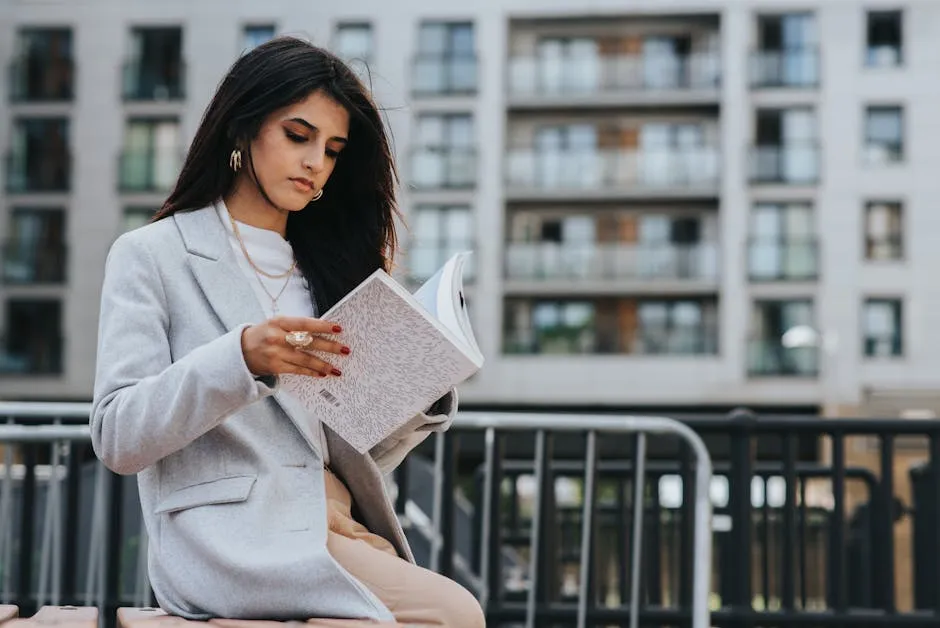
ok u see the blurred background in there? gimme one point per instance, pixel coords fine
(677, 207)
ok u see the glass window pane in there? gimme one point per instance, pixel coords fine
(354, 41)
(432, 39)
(461, 40)
(256, 35)
(430, 130)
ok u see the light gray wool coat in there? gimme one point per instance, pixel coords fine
(232, 492)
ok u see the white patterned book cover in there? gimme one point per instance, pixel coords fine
(403, 358)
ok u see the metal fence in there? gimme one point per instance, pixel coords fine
(814, 522)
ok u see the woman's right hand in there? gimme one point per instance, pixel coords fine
(267, 351)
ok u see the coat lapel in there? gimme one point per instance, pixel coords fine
(226, 288)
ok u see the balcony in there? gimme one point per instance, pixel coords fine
(444, 75)
(608, 340)
(604, 173)
(795, 68)
(36, 355)
(783, 259)
(152, 81)
(32, 263)
(27, 173)
(444, 167)
(37, 79)
(425, 258)
(541, 261)
(148, 171)
(637, 76)
(770, 358)
(785, 164)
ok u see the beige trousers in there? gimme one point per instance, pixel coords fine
(416, 596)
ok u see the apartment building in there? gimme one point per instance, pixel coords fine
(692, 204)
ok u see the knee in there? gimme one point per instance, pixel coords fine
(462, 610)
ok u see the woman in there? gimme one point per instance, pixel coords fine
(284, 204)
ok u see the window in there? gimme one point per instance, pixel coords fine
(439, 232)
(786, 150)
(154, 69)
(256, 34)
(676, 328)
(782, 243)
(152, 156)
(568, 65)
(43, 69)
(885, 40)
(550, 327)
(884, 135)
(354, 41)
(783, 340)
(39, 160)
(135, 217)
(35, 251)
(445, 155)
(446, 61)
(884, 231)
(32, 343)
(787, 54)
(882, 324)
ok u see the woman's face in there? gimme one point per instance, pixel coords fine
(296, 149)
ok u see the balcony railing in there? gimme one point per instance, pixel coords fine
(444, 167)
(548, 260)
(790, 164)
(37, 355)
(613, 73)
(771, 358)
(37, 79)
(32, 263)
(142, 81)
(425, 258)
(50, 172)
(613, 169)
(148, 171)
(609, 339)
(444, 74)
(797, 67)
(783, 259)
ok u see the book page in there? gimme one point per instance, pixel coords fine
(401, 362)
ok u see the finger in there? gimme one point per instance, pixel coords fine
(311, 362)
(304, 323)
(295, 369)
(326, 346)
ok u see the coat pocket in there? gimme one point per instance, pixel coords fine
(227, 490)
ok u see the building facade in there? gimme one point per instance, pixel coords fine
(673, 204)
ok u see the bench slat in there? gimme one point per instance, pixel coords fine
(60, 616)
(8, 612)
(156, 618)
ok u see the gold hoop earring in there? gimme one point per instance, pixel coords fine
(317, 196)
(235, 160)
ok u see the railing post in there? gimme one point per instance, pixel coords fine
(739, 572)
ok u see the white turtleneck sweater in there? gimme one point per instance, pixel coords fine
(273, 254)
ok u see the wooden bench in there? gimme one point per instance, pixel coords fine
(60, 616)
(156, 618)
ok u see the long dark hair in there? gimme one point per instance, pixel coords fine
(350, 232)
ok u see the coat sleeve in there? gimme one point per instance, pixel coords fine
(438, 418)
(146, 405)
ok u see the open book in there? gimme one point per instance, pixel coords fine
(408, 351)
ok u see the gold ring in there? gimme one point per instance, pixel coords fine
(298, 339)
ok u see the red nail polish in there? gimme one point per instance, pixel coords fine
(344, 351)
(337, 372)
(337, 329)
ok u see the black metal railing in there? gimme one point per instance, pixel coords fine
(30, 262)
(145, 81)
(148, 170)
(786, 164)
(35, 78)
(808, 517)
(444, 167)
(793, 67)
(607, 339)
(770, 357)
(47, 172)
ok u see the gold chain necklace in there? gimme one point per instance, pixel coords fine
(259, 272)
(238, 236)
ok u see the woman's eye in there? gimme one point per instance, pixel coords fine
(332, 153)
(296, 138)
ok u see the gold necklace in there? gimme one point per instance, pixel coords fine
(259, 272)
(238, 236)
